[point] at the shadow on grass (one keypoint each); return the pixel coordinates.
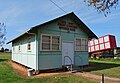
(95, 66)
(1, 60)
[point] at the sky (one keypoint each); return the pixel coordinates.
(20, 15)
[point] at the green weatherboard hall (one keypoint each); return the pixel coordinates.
(61, 41)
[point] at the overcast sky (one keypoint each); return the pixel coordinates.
(20, 15)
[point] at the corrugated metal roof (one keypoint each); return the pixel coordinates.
(70, 15)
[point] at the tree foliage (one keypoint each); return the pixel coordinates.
(2, 33)
(6, 50)
(103, 5)
(2, 49)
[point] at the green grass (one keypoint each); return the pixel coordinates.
(109, 67)
(7, 75)
(5, 56)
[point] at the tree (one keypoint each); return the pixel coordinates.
(6, 50)
(2, 33)
(103, 5)
(2, 49)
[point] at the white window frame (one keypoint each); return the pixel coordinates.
(86, 46)
(51, 36)
(30, 46)
(29, 42)
(19, 48)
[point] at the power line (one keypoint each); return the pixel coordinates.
(58, 6)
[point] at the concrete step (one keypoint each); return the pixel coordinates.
(74, 68)
(74, 71)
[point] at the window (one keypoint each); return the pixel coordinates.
(81, 45)
(29, 46)
(55, 42)
(19, 48)
(45, 42)
(50, 43)
(29, 43)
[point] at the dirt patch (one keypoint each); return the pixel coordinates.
(18, 69)
(89, 68)
(22, 71)
(97, 78)
(51, 74)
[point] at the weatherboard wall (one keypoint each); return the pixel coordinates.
(53, 59)
(23, 56)
(41, 60)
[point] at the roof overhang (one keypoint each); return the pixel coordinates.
(26, 32)
(70, 15)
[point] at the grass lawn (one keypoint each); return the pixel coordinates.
(7, 75)
(109, 67)
(5, 56)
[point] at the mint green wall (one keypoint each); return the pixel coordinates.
(81, 58)
(49, 60)
(25, 57)
(38, 59)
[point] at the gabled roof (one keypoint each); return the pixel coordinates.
(70, 15)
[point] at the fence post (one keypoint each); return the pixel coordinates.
(102, 78)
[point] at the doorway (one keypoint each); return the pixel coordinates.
(67, 53)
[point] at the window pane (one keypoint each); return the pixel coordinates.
(19, 48)
(83, 42)
(77, 47)
(45, 46)
(55, 39)
(45, 38)
(83, 48)
(55, 47)
(48, 44)
(81, 45)
(29, 46)
(78, 42)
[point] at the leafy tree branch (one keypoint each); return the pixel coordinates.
(2, 33)
(103, 5)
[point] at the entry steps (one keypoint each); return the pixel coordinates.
(74, 69)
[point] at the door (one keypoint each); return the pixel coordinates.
(67, 53)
